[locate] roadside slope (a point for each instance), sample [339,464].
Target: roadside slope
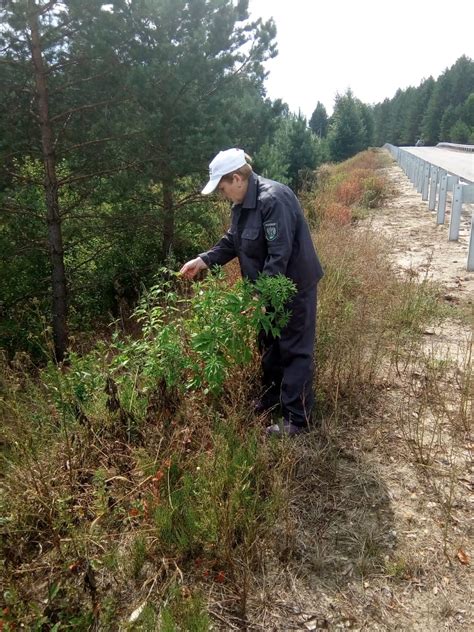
[382,534]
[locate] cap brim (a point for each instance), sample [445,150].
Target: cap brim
[211,186]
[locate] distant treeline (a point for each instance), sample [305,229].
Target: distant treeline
[110,114]
[437,110]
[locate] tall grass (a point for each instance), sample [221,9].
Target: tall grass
[367,313]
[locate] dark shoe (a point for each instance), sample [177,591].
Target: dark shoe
[284,429]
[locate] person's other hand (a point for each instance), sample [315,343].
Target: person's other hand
[192,267]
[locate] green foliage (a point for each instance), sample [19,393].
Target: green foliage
[417,304]
[375,192]
[58,613]
[452,89]
[208,336]
[23,275]
[219,503]
[135,91]
[319,121]
[468,110]
[430,110]
[403,123]
[292,152]
[187,345]
[193,50]
[367,115]
[449,118]
[347,133]
[459,132]
[138,555]
[184,612]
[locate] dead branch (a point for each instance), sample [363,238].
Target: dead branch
[95,174]
[82,108]
[98,141]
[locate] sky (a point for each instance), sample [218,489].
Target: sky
[373,47]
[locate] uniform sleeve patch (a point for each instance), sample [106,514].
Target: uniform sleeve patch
[271,230]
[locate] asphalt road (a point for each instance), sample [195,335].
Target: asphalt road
[458,163]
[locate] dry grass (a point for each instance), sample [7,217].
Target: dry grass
[346,191]
[366,315]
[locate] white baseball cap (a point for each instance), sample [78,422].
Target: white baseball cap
[225,162]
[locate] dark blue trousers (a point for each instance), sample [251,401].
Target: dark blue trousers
[288,361]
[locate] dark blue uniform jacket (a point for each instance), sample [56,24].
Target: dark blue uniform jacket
[269,234]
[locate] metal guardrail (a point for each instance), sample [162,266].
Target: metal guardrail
[456,146]
[433,183]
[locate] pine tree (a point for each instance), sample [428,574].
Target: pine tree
[347,134]
[292,153]
[48,53]
[452,88]
[459,132]
[449,118]
[193,55]
[382,122]
[468,111]
[367,115]
[319,121]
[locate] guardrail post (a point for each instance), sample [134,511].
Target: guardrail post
[433,188]
[413,169]
[421,169]
[455,220]
[443,191]
[426,182]
[470,257]
[468,194]
[419,182]
[468,198]
[447,184]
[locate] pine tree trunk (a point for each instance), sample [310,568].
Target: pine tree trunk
[58,276]
[168,222]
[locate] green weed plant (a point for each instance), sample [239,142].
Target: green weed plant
[193,343]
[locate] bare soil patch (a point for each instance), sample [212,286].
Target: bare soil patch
[419,244]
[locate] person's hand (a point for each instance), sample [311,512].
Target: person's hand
[192,267]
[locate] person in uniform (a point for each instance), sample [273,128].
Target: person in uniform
[269,235]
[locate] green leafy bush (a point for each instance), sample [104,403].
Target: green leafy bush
[195,343]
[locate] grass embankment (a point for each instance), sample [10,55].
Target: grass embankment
[139,490]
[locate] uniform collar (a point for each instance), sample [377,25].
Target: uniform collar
[250,199]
